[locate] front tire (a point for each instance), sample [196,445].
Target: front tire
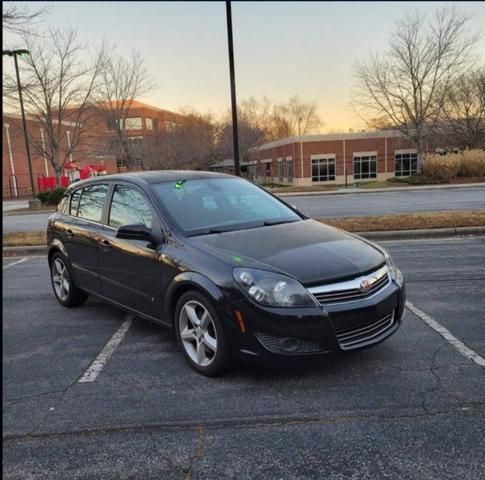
[65,290]
[200,334]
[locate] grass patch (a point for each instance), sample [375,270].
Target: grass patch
[17,239]
[413,221]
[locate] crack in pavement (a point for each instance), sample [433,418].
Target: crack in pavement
[247,422]
[197,455]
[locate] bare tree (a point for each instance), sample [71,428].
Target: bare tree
[254,125]
[20,18]
[295,117]
[189,144]
[123,80]
[407,86]
[58,81]
[463,116]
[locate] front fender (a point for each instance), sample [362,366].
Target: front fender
[183,282]
[56,245]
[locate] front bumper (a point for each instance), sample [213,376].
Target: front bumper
[300,332]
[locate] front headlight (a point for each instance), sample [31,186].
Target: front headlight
[272,289]
[396,274]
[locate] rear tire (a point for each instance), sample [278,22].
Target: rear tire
[66,291]
[200,334]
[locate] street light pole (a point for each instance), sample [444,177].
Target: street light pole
[237,169]
[14,53]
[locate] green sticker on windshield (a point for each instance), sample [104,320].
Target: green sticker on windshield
[178,185]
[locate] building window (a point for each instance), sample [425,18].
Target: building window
[406,164]
[156,124]
[170,126]
[133,123]
[323,169]
[148,123]
[365,166]
[112,123]
[280,170]
[289,168]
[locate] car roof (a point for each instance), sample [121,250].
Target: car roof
[152,176]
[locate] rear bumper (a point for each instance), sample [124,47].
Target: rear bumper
[285,333]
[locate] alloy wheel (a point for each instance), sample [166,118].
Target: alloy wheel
[198,333]
[60,279]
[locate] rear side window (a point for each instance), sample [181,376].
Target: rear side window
[129,207]
[92,202]
[74,202]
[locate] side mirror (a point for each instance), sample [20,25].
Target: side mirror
[139,232]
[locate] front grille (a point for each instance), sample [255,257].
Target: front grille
[352,290]
[350,338]
[276,344]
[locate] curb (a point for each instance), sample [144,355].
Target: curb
[422,233]
[25,250]
[343,191]
[390,235]
[10,213]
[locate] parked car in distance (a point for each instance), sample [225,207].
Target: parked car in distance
[233,270]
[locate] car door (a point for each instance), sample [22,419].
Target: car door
[82,234]
[130,269]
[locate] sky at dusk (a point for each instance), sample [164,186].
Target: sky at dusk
[281,48]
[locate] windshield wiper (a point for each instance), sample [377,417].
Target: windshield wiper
[208,232]
[268,223]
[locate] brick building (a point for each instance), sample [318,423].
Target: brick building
[94,148]
[322,159]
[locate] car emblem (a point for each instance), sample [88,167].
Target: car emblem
[365,286]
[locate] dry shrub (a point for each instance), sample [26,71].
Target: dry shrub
[442,167]
[472,163]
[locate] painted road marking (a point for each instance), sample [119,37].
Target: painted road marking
[14,263]
[100,361]
[447,335]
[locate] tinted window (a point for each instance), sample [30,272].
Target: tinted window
[92,202]
[129,207]
[63,206]
[75,202]
[220,203]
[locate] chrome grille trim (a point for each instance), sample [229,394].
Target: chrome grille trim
[350,290]
[354,337]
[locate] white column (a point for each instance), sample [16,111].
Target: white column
[385,155]
[69,144]
[43,152]
[10,155]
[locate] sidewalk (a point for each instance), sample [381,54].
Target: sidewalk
[341,191]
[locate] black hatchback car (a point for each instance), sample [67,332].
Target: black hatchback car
[235,271]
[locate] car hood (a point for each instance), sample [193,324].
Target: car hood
[307,250]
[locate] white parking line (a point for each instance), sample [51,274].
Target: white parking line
[100,361]
[447,335]
[14,263]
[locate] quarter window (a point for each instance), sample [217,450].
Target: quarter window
[365,166]
[406,164]
[92,202]
[323,169]
[129,207]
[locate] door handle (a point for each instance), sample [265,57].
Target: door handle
[69,233]
[106,245]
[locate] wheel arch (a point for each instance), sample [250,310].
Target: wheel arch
[185,282]
[54,247]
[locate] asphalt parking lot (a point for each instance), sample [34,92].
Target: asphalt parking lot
[412,407]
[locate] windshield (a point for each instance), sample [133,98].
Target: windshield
[220,204]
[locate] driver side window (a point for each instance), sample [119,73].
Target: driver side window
[129,207]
